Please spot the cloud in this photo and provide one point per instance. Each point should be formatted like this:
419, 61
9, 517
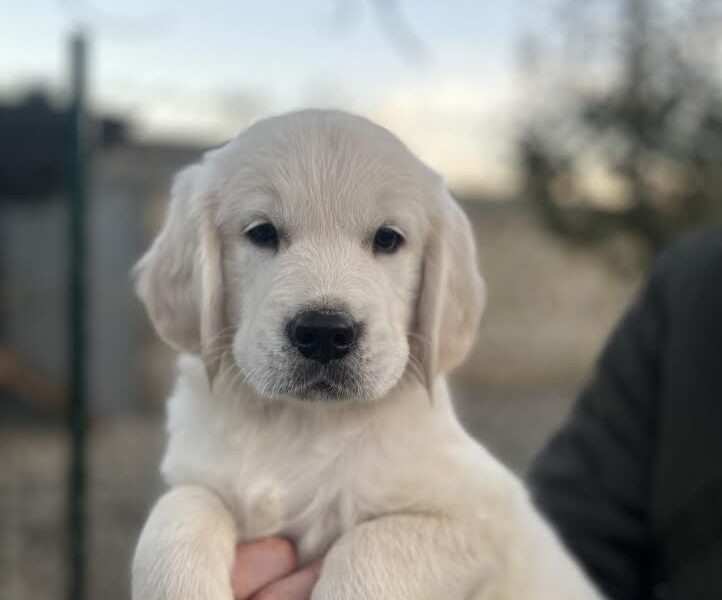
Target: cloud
462, 126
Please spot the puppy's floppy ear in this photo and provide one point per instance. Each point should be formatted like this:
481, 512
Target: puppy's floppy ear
180, 278
452, 293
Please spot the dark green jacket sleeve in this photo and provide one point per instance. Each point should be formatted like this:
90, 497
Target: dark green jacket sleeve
633, 481
629, 475
593, 479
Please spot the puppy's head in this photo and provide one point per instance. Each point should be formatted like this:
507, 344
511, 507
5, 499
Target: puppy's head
315, 257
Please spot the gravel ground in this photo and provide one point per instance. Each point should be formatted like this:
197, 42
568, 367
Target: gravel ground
125, 452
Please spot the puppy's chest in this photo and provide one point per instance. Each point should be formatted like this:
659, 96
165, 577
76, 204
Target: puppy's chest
295, 486
309, 504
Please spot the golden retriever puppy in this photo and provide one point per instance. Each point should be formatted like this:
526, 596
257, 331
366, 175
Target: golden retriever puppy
320, 282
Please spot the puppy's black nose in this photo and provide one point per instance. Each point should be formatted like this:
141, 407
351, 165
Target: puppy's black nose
322, 335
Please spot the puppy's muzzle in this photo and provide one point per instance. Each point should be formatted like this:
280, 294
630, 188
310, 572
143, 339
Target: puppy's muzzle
323, 335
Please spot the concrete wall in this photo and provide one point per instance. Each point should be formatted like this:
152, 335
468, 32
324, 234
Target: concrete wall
34, 276
550, 306
129, 184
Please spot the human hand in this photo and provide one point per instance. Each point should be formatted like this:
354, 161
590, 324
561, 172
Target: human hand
267, 570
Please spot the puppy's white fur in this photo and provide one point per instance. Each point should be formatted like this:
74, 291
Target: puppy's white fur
376, 474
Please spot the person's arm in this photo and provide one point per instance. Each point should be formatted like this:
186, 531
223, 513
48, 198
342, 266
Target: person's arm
594, 479
267, 569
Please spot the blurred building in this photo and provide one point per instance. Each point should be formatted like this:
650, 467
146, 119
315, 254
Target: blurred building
129, 182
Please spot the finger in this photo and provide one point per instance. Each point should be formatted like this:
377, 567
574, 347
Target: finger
259, 563
297, 586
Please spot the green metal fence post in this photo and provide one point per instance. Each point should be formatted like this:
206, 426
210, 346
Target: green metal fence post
77, 318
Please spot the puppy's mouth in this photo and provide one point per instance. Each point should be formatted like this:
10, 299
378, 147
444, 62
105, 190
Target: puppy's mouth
327, 383
323, 389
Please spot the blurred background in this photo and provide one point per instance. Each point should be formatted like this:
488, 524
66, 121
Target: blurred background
581, 138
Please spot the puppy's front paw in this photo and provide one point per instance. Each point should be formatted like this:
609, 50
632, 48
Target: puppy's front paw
185, 550
352, 586
179, 577
328, 589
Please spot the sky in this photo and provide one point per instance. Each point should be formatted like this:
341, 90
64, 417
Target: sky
201, 70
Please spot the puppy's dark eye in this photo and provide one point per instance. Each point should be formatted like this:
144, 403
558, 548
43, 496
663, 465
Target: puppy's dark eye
264, 235
387, 240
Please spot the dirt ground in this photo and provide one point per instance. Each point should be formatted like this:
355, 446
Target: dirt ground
125, 452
